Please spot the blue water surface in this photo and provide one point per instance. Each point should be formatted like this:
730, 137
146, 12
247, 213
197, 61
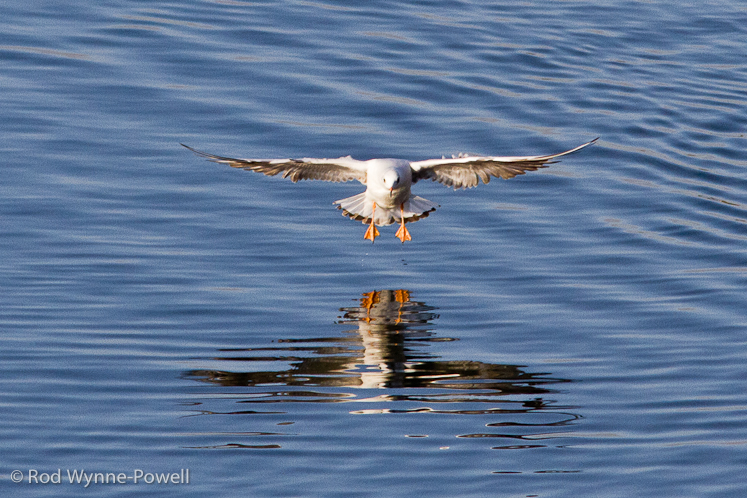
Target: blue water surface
577, 331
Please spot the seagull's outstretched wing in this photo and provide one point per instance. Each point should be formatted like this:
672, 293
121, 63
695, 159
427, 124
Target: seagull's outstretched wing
342, 169
467, 171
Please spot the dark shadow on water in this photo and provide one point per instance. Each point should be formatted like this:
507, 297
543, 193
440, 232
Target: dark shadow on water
388, 365
385, 358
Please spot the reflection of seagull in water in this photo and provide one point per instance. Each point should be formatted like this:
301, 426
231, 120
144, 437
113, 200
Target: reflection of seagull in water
375, 299
386, 319
387, 198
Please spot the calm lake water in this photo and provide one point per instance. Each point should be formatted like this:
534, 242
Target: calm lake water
577, 331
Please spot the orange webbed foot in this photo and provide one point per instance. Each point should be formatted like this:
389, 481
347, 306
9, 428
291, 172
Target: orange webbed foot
372, 232
403, 234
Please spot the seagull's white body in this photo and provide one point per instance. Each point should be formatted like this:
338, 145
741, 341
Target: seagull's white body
388, 183
387, 198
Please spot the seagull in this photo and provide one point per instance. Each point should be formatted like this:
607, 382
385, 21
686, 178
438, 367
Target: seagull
388, 198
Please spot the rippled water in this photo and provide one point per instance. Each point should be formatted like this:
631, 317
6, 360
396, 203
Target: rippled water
577, 331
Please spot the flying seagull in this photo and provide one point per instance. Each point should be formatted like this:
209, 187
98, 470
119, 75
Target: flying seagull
387, 198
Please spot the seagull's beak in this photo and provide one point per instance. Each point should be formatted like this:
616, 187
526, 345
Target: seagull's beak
391, 191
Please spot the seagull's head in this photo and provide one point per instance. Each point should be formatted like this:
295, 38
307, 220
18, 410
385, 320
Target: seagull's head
391, 180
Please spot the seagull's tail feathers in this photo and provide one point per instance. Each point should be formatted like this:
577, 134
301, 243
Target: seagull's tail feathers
356, 207
360, 208
417, 208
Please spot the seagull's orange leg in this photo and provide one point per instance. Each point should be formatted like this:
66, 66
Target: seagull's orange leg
402, 233
372, 232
